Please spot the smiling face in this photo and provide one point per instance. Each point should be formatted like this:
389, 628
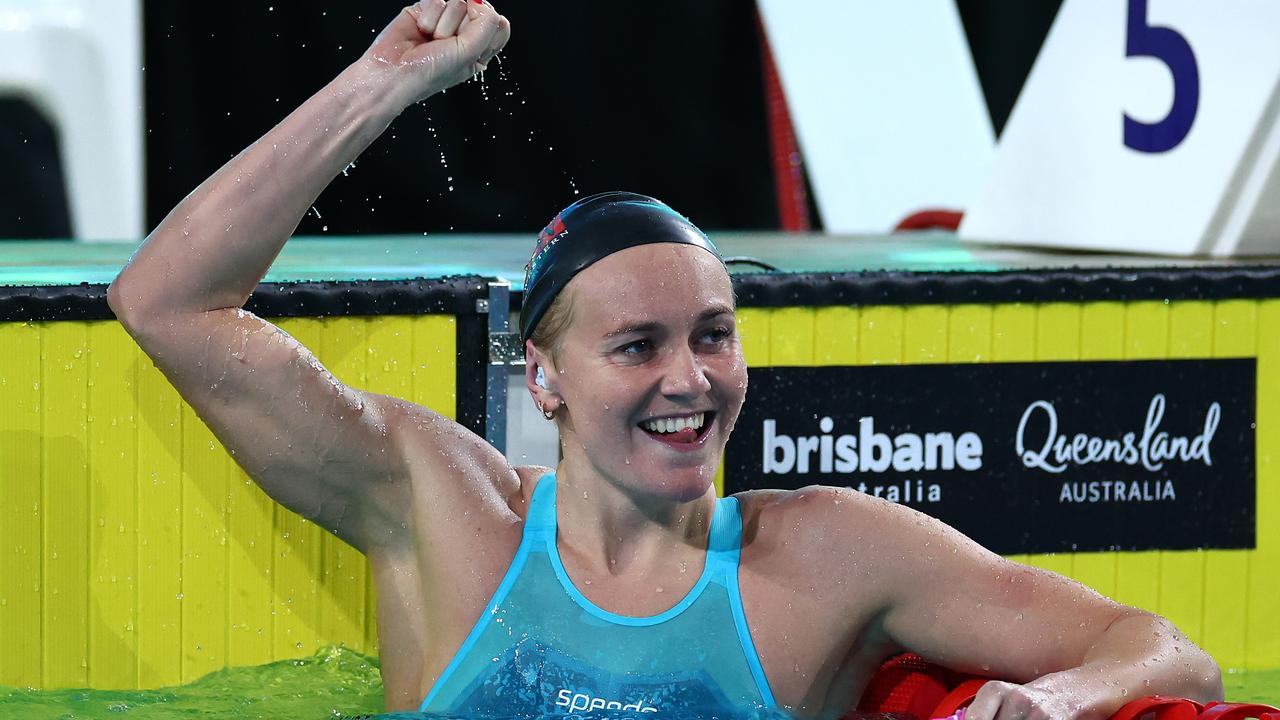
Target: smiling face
650, 370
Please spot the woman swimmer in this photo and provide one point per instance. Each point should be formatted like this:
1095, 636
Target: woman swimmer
619, 581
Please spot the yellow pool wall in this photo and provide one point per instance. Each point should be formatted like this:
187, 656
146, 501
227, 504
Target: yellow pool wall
134, 553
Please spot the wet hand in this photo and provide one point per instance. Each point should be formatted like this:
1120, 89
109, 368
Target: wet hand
433, 45
1009, 701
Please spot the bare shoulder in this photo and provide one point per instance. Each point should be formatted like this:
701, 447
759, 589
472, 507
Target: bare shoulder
852, 533
820, 514
824, 553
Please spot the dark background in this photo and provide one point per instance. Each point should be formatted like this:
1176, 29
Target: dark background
1005, 506
660, 98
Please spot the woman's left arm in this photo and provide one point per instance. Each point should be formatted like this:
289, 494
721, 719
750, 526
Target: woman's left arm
1136, 655
1069, 652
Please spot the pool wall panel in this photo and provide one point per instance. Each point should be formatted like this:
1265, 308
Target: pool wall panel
204, 549
1262, 648
1234, 335
113, 507
64, 476
924, 334
969, 333
880, 335
249, 568
791, 336
159, 492
836, 334
21, 507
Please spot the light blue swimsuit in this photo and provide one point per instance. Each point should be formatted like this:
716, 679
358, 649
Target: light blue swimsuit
542, 648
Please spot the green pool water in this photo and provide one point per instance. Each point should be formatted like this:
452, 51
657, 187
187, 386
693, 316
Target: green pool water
334, 683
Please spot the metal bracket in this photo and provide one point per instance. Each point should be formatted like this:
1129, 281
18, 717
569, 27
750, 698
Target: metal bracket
505, 350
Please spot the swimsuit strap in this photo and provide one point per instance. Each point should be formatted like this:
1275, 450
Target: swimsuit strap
725, 550
540, 519
725, 541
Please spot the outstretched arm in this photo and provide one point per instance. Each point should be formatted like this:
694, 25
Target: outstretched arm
323, 449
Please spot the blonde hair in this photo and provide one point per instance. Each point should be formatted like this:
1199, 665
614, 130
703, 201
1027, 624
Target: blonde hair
548, 335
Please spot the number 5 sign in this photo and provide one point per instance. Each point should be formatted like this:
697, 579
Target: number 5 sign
1145, 125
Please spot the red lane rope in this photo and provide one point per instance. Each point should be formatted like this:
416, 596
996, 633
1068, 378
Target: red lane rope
911, 686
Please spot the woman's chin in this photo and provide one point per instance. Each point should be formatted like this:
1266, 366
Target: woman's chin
683, 484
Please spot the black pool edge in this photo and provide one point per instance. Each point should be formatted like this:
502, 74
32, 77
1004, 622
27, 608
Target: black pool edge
1009, 286
458, 295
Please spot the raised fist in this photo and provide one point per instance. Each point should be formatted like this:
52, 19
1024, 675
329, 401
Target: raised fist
433, 45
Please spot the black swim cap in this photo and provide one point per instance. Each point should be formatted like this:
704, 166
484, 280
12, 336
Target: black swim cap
589, 230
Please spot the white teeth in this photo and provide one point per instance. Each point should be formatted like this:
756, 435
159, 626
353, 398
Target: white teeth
670, 425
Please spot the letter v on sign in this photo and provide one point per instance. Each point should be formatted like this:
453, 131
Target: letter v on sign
1145, 125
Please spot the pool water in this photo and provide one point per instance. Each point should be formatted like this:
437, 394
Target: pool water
334, 683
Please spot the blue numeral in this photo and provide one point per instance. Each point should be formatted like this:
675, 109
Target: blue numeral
1171, 48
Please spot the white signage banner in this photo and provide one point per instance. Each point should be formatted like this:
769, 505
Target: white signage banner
886, 106
1144, 126
1149, 126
